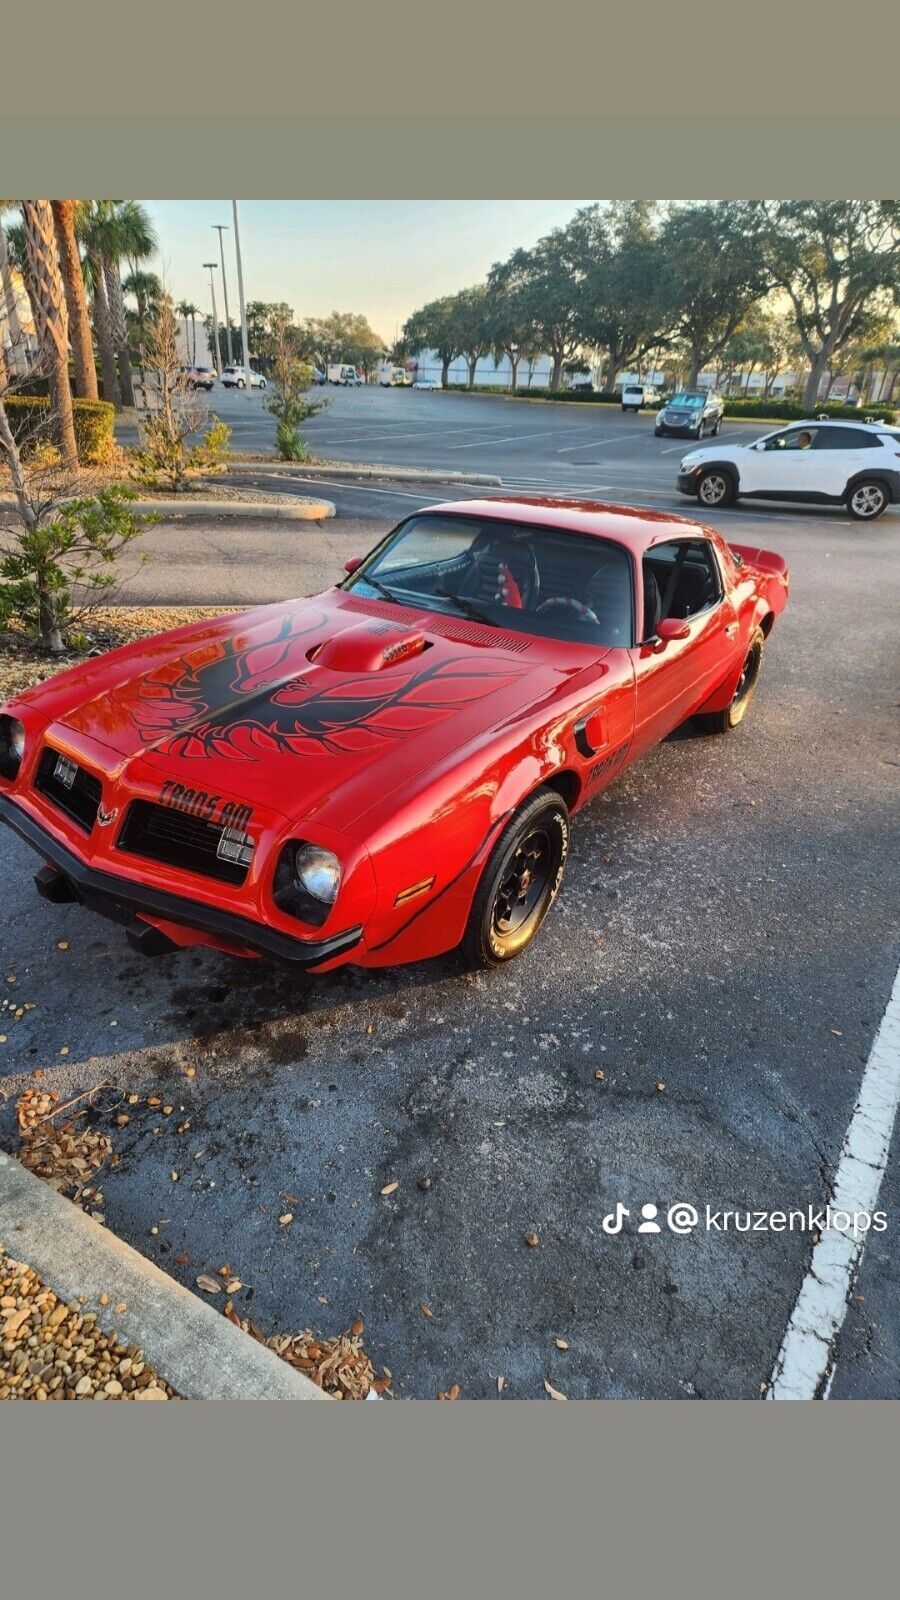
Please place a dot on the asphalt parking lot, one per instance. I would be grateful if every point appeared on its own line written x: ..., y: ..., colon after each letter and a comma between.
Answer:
x: 727, y: 929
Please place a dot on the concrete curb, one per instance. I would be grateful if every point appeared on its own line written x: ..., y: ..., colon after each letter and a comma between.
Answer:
x: 364, y: 469
x: 298, y: 509
x: 197, y: 1350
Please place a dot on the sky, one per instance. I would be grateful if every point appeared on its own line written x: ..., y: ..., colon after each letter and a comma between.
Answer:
x: 381, y: 258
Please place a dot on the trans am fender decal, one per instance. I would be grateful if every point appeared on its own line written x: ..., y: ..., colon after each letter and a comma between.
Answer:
x: 248, y: 701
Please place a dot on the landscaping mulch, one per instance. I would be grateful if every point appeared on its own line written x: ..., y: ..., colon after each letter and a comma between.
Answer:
x: 23, y: 662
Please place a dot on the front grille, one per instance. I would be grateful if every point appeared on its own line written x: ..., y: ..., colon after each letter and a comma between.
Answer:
x: 70, y: 787
x: 160, y: 833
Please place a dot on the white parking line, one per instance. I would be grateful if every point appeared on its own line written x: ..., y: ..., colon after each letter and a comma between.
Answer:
x: 592, y: 444
x: 805, y: 1361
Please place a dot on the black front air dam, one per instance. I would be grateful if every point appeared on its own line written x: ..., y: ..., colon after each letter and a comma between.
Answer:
x: 122, y: 899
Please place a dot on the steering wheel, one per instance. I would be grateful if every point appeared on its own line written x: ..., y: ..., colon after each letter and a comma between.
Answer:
x: 563, y: 603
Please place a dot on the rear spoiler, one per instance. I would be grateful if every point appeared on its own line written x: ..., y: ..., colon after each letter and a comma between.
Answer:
x: 763, y: 560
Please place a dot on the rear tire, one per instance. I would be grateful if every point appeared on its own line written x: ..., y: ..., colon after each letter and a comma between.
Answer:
x: 716, y: 489
x: 867, y: 500
x: 733, y: 715
x: 519, y: 883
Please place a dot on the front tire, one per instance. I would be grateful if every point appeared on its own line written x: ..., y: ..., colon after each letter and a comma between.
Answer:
x: 241, y: 384
x: 867, y: 500
x: 519, y: 883
x: 733, y: 715
x: 716, y: 489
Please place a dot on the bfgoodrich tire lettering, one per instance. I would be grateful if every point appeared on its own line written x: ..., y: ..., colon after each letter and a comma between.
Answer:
x: 519, y: 883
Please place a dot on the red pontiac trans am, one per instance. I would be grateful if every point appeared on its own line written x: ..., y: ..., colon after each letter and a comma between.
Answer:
x: 386, y: 771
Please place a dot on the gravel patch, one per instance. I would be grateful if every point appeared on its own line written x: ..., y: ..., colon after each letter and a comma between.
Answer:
x: 53, y: 1351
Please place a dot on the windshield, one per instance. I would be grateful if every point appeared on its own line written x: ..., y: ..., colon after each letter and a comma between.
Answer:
x: 523, y: 578
x: 691, y: 401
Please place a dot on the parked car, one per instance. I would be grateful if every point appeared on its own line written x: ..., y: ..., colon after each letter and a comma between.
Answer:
x: 691, y: 411
x: 824, y: 463
x: 344, y: 375
x: 636, y: 395
x: 582, y: 380
x: 235, y: 377
x: 387, y: 771
x: 199, y: 377
x: 426, y: 383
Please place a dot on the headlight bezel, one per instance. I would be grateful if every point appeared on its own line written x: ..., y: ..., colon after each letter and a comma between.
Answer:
x: 292, y: 889
x: 13, y: 743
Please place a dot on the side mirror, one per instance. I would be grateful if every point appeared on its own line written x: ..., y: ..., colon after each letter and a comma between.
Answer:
x: 353, y: 563
x: 673, y: 628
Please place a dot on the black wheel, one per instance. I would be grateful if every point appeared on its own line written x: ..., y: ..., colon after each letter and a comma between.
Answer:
x: 867, y: 500
x: 519, y: 883
x: 660, y: 432
x: 241, y: 384
x: 718, y: 424
x: 715, y: 488
x: 262, y: 383
x: 733, y: 715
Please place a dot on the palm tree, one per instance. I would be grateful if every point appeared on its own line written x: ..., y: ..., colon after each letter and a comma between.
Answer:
x: 186, y: 308
x: 147, y: 290
x: 123, y: 230
x: 64, y: 217
x: 10, y: 297
x: 51, y: 319
x: 92, y: 268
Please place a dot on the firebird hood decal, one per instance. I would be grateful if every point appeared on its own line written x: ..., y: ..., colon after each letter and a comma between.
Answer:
x: 246, y: 702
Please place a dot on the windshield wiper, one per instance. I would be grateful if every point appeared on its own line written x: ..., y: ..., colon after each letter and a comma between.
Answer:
x: 466, y: 607
x: 381, y: 589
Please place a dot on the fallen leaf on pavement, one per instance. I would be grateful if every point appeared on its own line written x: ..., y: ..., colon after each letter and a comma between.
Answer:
x: 532, y: 1239
x: 553, y: 1393
x: 390, y: 1187
x: 207, y: 1284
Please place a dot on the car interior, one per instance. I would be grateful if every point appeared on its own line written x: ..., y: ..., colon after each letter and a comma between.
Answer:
x: 538, y: 580
x: 681, y: 579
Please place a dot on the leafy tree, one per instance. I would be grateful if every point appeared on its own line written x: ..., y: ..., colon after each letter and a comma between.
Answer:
x: 712, y: 269
x: 344, y: 336
x: 164, y: 455
x: 58, y: 548
x: 435, y: 327
x: 616, y: 256
x: 289, y: 401
x: 839, y: 263
x: 472, y: 309
x: 545, y: 285
x: 265, y: 319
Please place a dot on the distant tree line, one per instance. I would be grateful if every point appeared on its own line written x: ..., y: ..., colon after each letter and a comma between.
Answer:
x: 740, y: 286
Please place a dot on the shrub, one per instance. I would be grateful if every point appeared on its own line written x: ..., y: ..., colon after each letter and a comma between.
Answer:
x: 30, y: 417
x: 58, y: 560
x: 793, y: 411
x: 164, y: 459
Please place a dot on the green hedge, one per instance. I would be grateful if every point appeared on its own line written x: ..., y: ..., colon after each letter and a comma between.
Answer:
x: 607, y: 396
x: 793, y: 411
x: 94, y: 424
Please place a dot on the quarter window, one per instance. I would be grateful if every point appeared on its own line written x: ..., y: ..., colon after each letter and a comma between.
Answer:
x: 685, y: 574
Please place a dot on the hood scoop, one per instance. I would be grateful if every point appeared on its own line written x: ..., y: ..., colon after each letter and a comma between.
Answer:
x: 369, y: 647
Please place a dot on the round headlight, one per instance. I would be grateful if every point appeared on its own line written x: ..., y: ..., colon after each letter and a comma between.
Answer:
x: 12, y: 746
x: 318, y: 872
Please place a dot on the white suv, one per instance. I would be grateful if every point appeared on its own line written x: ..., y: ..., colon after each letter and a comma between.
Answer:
x: 236, y: 378
x: 819, y: 463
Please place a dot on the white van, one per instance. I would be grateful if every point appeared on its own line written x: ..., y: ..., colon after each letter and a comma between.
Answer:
x: 636, y: 395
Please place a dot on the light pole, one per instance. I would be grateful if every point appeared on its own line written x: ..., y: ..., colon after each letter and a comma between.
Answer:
x: 216, y: 352
x: 222, y: 227
x: 245, y: 338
